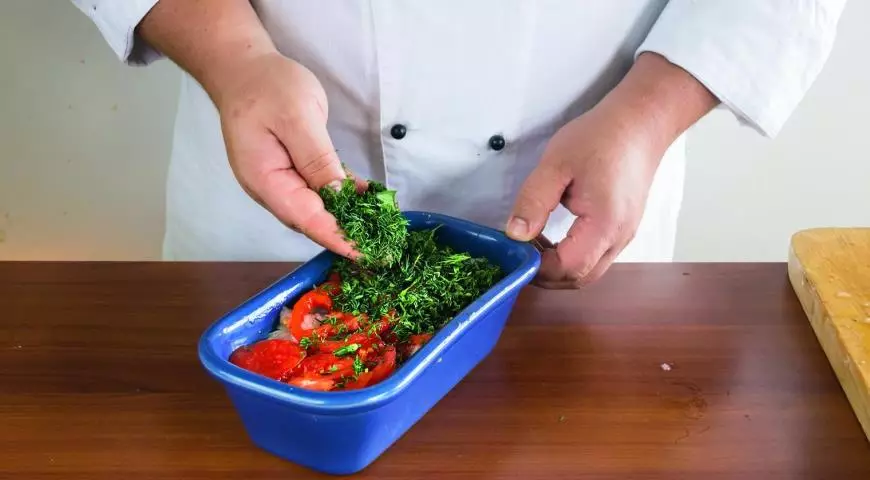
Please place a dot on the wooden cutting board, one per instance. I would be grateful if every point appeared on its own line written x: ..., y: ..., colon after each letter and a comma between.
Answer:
x: 829, y: 269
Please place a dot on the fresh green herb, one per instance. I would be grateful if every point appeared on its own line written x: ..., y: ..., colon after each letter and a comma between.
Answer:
x: 371, y: 220
x: 341, y: 330
x: 373, y: 328
x: 358, y: 366
x: 333, y: 368
x: 346, y: 350
x: 406, y: 275
x: 426, y: 288
x: 330, y: 319
x: 307, y: 342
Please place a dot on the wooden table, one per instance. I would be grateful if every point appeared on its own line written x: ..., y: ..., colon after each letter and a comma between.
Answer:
x: 657, y: 371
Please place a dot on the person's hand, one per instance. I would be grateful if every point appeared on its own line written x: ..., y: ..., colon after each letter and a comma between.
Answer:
x: 601, y: 165
x: 273, y: 116
x: 601, y: 170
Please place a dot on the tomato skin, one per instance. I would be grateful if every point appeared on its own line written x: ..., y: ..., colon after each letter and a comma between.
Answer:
x: 332, y: 285
x: 382, y: 326
x: 330, y: 346
x: 312, y: 383
x: 385, y: 367
x: 420, y: 339
x: 361, y: 381
x: 325, y: 365
x: 414, y: 343
x: 313, y: 299
x: 274, y: 358
x: 351, y: 322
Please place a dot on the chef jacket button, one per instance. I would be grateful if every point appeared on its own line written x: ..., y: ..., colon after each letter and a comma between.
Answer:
x: 398, y: 131
x: 496, y: 142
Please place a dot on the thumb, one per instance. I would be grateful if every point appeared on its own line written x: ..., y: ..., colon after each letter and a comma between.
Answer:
x: 538, y: 197
x: 312, y: 152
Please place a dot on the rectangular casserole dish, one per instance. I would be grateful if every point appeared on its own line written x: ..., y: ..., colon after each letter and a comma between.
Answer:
x: 343, y: 432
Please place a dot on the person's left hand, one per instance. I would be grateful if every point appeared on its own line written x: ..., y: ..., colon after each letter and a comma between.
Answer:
x: 600, y: 166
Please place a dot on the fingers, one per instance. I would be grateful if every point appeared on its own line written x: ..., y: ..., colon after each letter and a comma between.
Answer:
x: 576, y: 255
x: 539, y: 195
x: 260, y: 163
x: 588, y: 251
x: 567, y: 283
x: 542, y: 243
x: 288, y: 197
x: 311, y: 150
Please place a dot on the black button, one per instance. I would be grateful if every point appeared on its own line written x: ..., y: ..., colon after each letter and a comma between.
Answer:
x: 496, y: 142
x: 398, y: 131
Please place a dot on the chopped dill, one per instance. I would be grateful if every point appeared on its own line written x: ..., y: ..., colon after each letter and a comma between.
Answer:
x: 404, y: 275
x: 370, y: 220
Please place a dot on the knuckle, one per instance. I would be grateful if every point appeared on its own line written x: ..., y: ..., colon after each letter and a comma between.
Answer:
x: 289, y: 121
x: 316, y: 163
x: 250, y: 191
x: 529, y: 201
x: 528, y: 197
x: 242, y: 107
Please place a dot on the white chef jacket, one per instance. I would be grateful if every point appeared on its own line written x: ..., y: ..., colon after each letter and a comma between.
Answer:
x: 456, y: 73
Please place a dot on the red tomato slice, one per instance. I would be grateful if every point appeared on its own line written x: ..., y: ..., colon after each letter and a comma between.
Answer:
x: 273, y: 358
x: 332, y: 285
x: 386, y: 366
x: 313, y: 383
x: 414, y: 343
x: 330, y: 346
x: 382, y: 326
x: 351, y: 322
x: 326, y: 365
x: 324, y: 331
x: 361, y: 382
x: 305, y: 306
x: 420, y: 339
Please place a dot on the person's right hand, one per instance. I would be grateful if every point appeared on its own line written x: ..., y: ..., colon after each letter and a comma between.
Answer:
x: 273, y: 116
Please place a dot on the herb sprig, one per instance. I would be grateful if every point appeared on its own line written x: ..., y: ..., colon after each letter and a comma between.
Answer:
x: 407, y: 276
x: 370, y: 220
x: 429, y: 285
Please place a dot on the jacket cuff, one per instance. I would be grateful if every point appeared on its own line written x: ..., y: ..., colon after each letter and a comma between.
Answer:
x: 758, y: 57
x: 117, y: 21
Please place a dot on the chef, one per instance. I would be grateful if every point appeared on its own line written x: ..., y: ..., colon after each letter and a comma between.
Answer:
x: 561, y: 121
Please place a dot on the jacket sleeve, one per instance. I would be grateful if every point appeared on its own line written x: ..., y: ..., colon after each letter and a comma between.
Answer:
x: 117, y: 21
x: 759, y: 57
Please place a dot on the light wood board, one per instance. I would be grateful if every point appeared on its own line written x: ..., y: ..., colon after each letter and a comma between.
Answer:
x: 829, y: 269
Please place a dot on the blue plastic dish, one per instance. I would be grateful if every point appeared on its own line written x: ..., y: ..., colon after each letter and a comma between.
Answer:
x: 343, y: 432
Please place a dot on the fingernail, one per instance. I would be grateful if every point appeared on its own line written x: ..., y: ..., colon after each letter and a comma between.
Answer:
x: 518, y: 227
x: 335, y: 185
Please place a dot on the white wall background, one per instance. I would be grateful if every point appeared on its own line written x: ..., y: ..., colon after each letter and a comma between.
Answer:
x: 84, y: 145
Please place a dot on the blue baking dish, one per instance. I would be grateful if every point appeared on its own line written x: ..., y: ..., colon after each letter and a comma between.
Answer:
x: 343, y: 432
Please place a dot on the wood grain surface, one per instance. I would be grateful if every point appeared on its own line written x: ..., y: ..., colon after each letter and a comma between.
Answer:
x: 657, y: 371
x: 829, y: 269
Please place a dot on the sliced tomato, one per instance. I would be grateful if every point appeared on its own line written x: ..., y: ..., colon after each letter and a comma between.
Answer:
x: 332, y: 285
x: 325, y: 331
x: 326, y: 365
x: 385, y: 367
x: 414, y: 343
x: 330, y: 346
x: 313, y: 383
x: 310, y: 304
x: 419, y: 339
x: 274, y: 358
x: 351, y: 322
x: 361, y: 381
x: 382, y: 326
